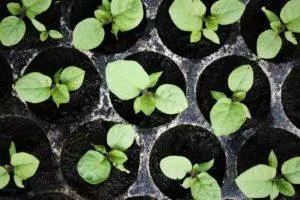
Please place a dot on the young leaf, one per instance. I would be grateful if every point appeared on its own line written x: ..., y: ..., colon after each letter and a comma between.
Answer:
x: 175, y: 167
x: 285, y: 187
x: 118, y: 157
x: 187, y: 182
x: 12, y: 30
x: 256, y: 182
x: 247, y: 112
x: 106, y: 5
x: 204, y: 167
x: 137, y: 105
x: 186, y: 14
x: 93, y: 167
x: 34, y: 87
x: 35, y: 7
x: 238, y: 96
x: 147, y: 104
x: 273, y: 162
x: 170, y: 99
x: 227, y: 11
x: 276, y: 26
x: 60, y: 94
x: 103, y: 16
x: 115, y: 30
x: 12, y: 149
x: 88, y: 34
x: 121, y: 136
x: 291, y: 170
x: 14, y: 8
x: 274, y: 192
x: 4, y: 177
x: 72, y: 77
x: 100, y: 148
x: 241, y: 79
x: 212, y: 23
x: 38, y: 25
x: 195, y: 36
x: 57, y: 76
x: 126, y: 79
x: 122, y: 168
x: 154, y: 79
x: 18, y: 182
x: 211, y: 35
x: 290, y: 15
x: 196, y: 169
x: 44, y: 36
x: 25, y: 165
x: 268, y: 44
x: 272, y: 17
x: 290, y: 37
x: 54, y: 34
x: 217, y: 95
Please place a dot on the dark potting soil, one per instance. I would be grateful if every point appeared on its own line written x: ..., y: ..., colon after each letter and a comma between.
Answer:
x: 291, y: 96
x: 77, y: 144
x: 152, y: 62
x: 192, y: 142
x: 141, y: 198
x: 179, y: 41
x: 215, y: 77
x: 6, y: 78
x: 50, y: 18
x: 85, y: 9
x: 256, y: 150
x: 82, y: 101
x: 51, y: 196
x: 254, y: 22
x: 29, y: 138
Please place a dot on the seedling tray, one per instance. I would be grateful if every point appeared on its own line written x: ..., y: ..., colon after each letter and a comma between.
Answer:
x: 59, y: 137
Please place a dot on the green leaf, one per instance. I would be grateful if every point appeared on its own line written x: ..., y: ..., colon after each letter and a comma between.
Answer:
x: 137, y: 105
x: 93, y: 167
x: 127, y: 14
x: 196, y: 169
x: 12, y: 30
x: 241, y: 79
x: 195, y: 36
x: 187, y: 182
x: 211, y: 35
x: 14, y: 8
x: 290, y: 37
x: 118, y: 157
x: 154, y: 79
x: 186, y: 14
x: 290, y: 15
x: 122, y: 168
x: 18, y: 182
x: 72, y: 77
x: 205, y: 187
x: 106, y: 5
x: 126, y: 79
x: 247, y: 112
x: 4, y: 177
x: 227, y: 11
x: 103, y: 16
x: 238, y: 96
x: 204, y: 167
x: 115, y: 30
x: 274, y: 192
x: 276, y: 26
x: 256, y: 182
x: 25, y: 165
x: 272, y: 17
x: 35, y: 7
x: 60, y: 94
x: 121, y: 136
x: 57, y: 76
x: 268, y: 44
x: 175, y: 167
x: 12, y: 149
x: 88, y: 34
x: 100, y: 148
x: 170, y: 99
x: 147, y: 104
x: 227, y: 117
x: 217, y: 95
x: 34, y: 87
x: 54, y: 34
x: 273, y: 162
x: 38, y: 25
x: 285, y: 187
x: 291, y: 170
x: 44, y: 36
x: 212, y: 23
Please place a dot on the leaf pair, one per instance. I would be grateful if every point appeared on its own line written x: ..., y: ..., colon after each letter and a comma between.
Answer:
x: 127, y: 80
x: 228, y: 115
x: 95, y: 165
x: 269, y: 42
x: 260, y: 181
x: 189, y: 15
x: 36, y: 87
x: 124, y: 15
x: 202, y: 185
x: 22, y: 165
x: 13, y: 28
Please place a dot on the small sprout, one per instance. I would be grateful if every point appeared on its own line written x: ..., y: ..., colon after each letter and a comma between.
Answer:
x: 124, y: 15
x: 36, y: 87
x: 95, y: 165
x: 13, y: 28
x: 228, y: 115
x: 191, y: 16
x: 22, y: 165
x: 202, y: 185
x: 269, y: 42
x: 262, y: 180
x: 128, y: 80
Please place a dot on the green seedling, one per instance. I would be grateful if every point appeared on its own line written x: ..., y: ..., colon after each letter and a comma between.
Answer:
x: 269, y: 42
x: 262, y: 181
x: 123, y: 15
x: 36, y: 87
x: 191, y: 16
x: 95, y: 165
x: 22, y: 165
x: 13, y: 28
x: 203, y: 186
x: 128, y: 80
x: 228, y: 115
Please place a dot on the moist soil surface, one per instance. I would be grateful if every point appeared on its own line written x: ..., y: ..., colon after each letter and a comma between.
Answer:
x: 6, y: 79
x: 51, y: 196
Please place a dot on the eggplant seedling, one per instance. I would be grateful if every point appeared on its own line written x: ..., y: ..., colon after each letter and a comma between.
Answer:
x: 36, y: 87
x: 22, y: 165
x: 203, y: 186
x: 269, y: 42
x: 228, y: 115
x: 128, y: 80
x: 95, y: 165
x: 191, y: 16
x: 13, y: 28
x: 123, y: 15
x: 263, y: 181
